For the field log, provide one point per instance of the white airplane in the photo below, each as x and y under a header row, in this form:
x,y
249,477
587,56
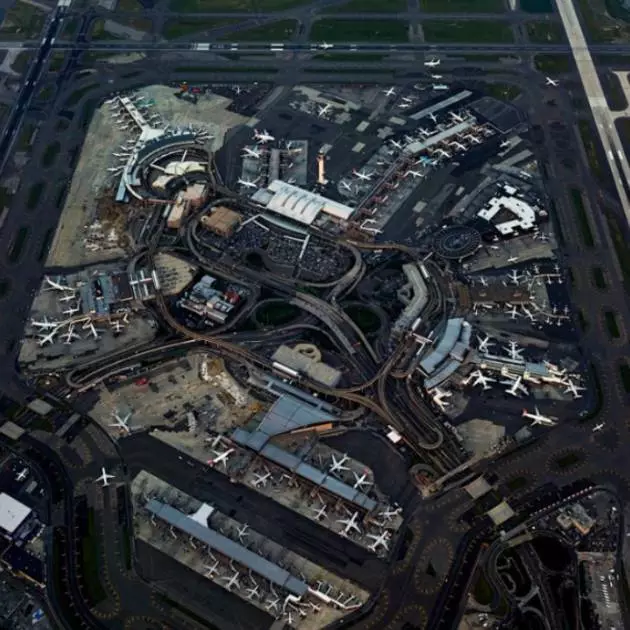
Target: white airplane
x,y
326,46
350,524
551,82
414,174
89,325
45,324
69,335
22,475
516,386
514,351
538,418
320,513
104,478
513,313
433,118
512,259
115,169
214,441
472,138
390,92
252,592
482,281
458,145
71,310
380,540
573,388
242,532
261,480
505,144
211,569
514,277
432,62
338,465
323,109
439,396
482,379
272,604
437,77
221,458
68,297
49,338
443,153
424,132
122,423
528,314
456,117
57,285
247,183
484,344
388,515
396,144
118,327
346,186
362,176
231,581
361,480
255,153
263,137
598,427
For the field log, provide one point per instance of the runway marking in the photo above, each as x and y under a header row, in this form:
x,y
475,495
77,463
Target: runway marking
x,y
424,582
574,458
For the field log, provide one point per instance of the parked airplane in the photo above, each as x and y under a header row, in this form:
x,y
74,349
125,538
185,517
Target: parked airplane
x,y
433,118
255,153
261,480
407,99
443,153
93,331
320,513
122,423
214,441
396,144
231,581
272,604
118,327
458,145
263,137
482,379
104,478
551,82
424,132
350,524
247,182
539,418
573,388
221,458
69,335
71,310
528,314
22,475
362,176
513,313
252,592
242,532
472,138
346,186
68,297
338,465
512,259
484,344
390,92
380,540
57,285
439,396
482,281
361,480
432,62
44,324
505,145
516,386
323,109
211,569
514,351
437,77
514,277
49,338
414,174
598,427
388,515
326,46
456,117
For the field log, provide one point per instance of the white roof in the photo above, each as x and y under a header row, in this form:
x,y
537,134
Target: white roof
x,y
524,214
302,205
12,513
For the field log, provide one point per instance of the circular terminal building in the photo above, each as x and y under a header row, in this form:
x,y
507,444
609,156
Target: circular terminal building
x,y
456,242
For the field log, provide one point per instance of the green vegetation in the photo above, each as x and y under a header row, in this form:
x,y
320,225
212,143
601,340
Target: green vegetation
x,y
77,95
188,26
536,6
624,372
22,21
272,32
600,27
371,6
332,30
327,70
552,64
16,249
100,30
474,31
365,318
277,313
485,57
545,32
50,154
349,57
588,140
206,69
45,93
582,217
612,325
482,591
128,5
599,278
463,6
56,61
26,137
213,6
89,559
503,91
568,460
34,195
613,91
22,61
616,229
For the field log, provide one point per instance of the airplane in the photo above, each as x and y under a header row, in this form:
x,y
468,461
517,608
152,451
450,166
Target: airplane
x,y
320,513
323,109
261,480
551,82
68,297
346,186
407,99
438,397
123,155
424,132
414,174
484,343
71,310
388,515
573,388
272,603
538,418
390,92
513,313
93,330
237,89
22,475
432,62
211,569
433,118
231,581
122,423
350,524
456,117
505,144
247,183
263,137
443,153
104,478
255,153
472,138
214,441
362,176
380,540
326,46
482,379
69,335
57,285
528,313
396,144
118,327
361,480
512,259
338,465
115,169
45,324
516,386
482,281
221,458
458,145
49,338
437,77
514,277
253,592
598,427
242,532
514,351
566,310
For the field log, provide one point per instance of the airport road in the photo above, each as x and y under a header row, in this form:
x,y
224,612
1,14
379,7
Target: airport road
x,y
286,527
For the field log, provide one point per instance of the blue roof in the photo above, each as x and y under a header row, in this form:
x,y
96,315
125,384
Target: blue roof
x,y
444,346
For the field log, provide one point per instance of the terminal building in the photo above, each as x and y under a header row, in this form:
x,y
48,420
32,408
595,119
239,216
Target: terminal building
x,y
13,515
